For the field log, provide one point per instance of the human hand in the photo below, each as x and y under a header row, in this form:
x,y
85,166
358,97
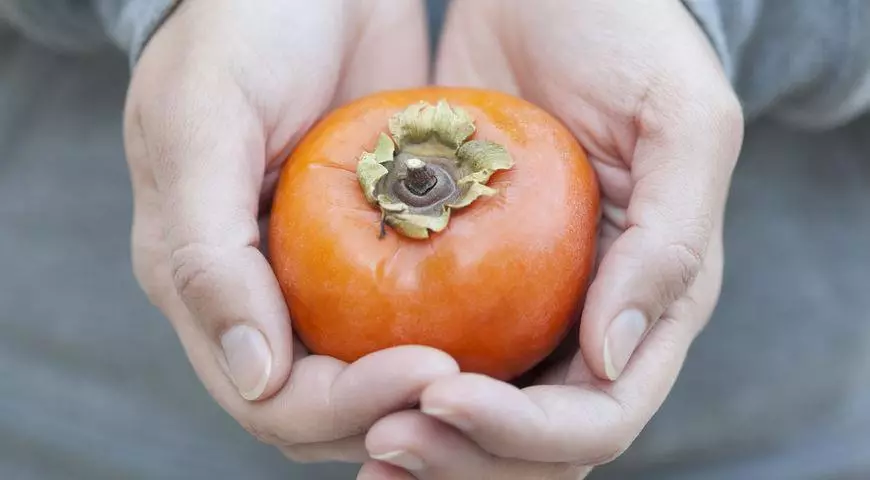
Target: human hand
x,y
638,84
220,95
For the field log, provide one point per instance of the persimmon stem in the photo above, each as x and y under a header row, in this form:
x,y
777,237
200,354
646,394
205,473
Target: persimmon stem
x,y
427,168
421,179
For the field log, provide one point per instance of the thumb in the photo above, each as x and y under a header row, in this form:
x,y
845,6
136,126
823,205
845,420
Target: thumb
x,y
205,162
680,171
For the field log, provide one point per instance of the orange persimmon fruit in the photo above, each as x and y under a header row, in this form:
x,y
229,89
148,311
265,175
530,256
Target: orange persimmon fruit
x,y
460,219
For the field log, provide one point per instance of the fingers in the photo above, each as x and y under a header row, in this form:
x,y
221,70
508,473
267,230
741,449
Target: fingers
x,y
347,450
546,424
208,185
327,405
430,449
561,424
680,168
197,167
588,421
375,470
327,400
688,126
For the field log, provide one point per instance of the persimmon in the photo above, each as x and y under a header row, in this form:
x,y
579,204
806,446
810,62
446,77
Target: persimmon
x,y
460,219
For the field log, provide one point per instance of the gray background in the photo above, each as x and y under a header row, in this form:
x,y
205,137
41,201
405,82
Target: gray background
x,y
93,383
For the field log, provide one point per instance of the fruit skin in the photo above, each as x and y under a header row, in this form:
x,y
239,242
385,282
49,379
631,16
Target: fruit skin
x,y
497,290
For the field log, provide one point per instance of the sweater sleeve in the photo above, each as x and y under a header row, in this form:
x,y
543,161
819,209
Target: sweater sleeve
x,y
87,25
130,23
805,62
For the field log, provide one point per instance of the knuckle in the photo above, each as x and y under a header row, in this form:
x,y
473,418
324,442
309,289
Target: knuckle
x,y
144,274
678,259
135,135
608,450
688,257
711,109
729,111
193,268
299,455
726,114
715,103
570,472
612,445
261,434
520,469
149,270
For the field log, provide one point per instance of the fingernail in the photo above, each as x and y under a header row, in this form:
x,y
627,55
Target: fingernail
x,y
403,459
449,417
622,339
249,360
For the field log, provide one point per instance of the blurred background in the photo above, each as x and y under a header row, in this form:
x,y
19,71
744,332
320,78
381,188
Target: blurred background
x,y
94,384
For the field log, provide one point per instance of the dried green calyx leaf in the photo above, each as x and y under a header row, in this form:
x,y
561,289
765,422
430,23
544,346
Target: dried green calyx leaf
x,y
370,168
422,124
428,168
419,226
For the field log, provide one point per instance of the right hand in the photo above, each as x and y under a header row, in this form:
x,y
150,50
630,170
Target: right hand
x,y
220,95
638,84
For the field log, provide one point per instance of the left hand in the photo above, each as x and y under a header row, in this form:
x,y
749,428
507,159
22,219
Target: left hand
x,y
222,92
640,87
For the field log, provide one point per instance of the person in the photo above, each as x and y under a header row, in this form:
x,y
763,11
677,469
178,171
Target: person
x,y
657,92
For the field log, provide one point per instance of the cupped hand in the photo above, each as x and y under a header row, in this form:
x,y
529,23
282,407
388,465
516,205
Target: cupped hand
x,y
641,88
219,96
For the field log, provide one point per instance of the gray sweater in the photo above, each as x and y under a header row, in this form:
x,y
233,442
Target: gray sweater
x,y
87,25
91,379
806,62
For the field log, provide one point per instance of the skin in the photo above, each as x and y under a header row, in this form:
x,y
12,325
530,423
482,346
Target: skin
x,y
635,81
496,291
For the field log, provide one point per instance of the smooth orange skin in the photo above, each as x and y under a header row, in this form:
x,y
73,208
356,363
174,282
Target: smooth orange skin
x,y
497,290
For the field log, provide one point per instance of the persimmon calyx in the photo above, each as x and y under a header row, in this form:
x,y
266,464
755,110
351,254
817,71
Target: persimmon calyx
x,y
428,168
